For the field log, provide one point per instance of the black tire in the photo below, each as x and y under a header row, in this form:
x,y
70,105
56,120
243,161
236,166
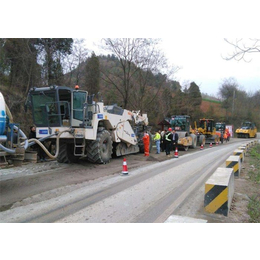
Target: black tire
x,y
216,138
185,148
194,141
66,153
100,150
202,140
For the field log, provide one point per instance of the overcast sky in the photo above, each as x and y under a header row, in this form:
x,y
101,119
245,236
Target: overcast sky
x,y
202,60
192,31
193,35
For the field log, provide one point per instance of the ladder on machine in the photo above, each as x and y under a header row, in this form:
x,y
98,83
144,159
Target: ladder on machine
x,y
79,145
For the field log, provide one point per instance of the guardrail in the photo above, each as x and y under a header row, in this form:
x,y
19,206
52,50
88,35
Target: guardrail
x,y
219,188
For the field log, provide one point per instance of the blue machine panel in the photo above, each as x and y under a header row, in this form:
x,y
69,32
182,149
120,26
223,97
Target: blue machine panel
x,y
43,131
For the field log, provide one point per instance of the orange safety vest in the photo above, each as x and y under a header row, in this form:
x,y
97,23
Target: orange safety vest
x,y
146,141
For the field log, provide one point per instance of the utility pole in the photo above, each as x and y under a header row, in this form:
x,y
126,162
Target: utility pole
x,y
233,103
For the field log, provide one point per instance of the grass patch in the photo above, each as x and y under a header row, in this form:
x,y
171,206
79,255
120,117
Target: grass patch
x,y
254,209
254,175
212,101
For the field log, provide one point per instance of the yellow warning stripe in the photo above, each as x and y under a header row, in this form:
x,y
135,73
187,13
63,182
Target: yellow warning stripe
x,y
232,164
240,154
215,204
208,187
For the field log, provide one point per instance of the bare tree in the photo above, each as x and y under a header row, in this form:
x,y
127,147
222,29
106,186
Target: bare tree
x,y
73,62
138,58
241,48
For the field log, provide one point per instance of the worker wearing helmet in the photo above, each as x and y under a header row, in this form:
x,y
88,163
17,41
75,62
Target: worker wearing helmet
x,y
146,141
168,141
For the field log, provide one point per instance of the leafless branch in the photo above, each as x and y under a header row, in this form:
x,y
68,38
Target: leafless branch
x,y
242,49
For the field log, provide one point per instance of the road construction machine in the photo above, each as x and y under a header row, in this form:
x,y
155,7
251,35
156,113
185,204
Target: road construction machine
x,y
247,130
220,130
207,128
83,127
181,124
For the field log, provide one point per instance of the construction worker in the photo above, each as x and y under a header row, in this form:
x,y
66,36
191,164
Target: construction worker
x,y
175,138
228,134
225,136
162,141
157,139
168,141
146,141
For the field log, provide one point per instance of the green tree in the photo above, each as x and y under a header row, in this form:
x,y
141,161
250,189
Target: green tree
x,y
21,59
194,95
175,85
227,92
180,103
239,105
4,65
194,100
53,51
166,103
92,74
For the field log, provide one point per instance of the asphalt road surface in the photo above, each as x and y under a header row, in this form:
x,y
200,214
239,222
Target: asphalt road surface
x,y
154,189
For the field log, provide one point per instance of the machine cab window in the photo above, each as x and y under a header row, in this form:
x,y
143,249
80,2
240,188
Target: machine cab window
x,y
79,98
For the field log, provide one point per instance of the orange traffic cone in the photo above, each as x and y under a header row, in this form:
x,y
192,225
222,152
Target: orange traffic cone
x,y
217,143
210,145
201,147
124,171
176,154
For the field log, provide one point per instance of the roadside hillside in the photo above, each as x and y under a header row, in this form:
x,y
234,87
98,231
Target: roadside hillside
x,y
212,106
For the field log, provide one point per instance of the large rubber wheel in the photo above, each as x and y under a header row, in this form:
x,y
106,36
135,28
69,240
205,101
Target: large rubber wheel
x,y
66,153
194,141
185,148
100,150
216,138
202,139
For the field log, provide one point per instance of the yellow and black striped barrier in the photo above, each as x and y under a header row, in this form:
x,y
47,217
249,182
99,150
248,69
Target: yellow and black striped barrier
x,y
234,162
219,191
246,145
244,148
240,153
